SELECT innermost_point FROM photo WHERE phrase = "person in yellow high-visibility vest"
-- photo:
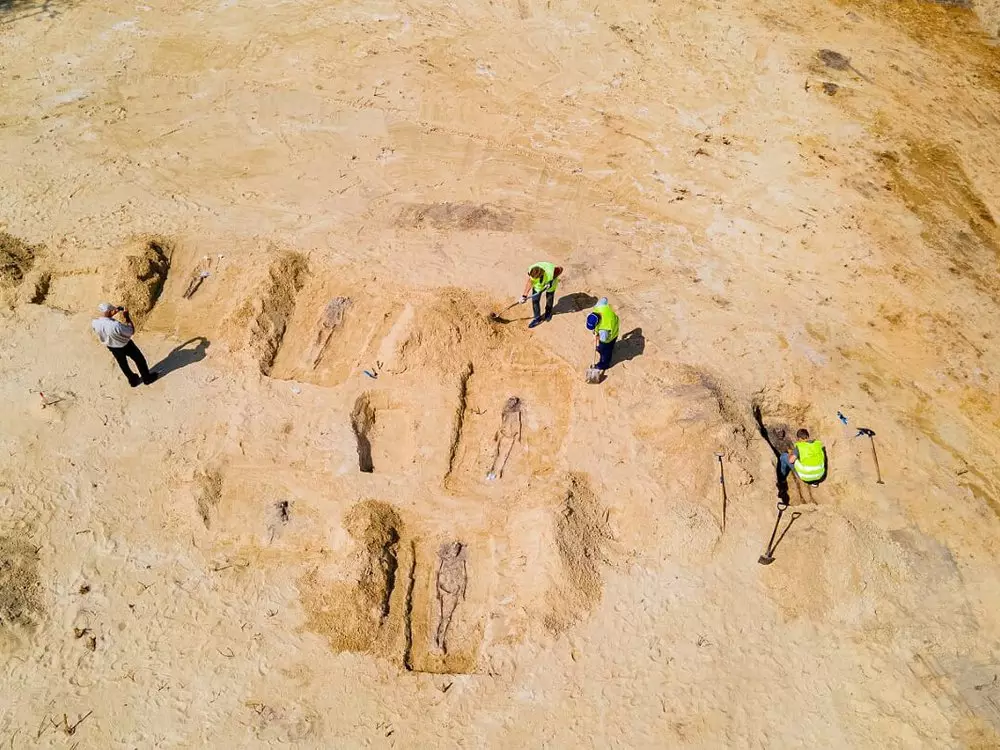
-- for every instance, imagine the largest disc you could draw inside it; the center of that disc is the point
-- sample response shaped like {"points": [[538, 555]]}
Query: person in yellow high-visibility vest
{"points": [[543, 278], [808, 458], [603, 321]]}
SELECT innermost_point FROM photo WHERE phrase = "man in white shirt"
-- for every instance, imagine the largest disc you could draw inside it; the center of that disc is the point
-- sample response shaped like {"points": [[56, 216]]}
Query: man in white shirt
{"points": [[117, 337]]}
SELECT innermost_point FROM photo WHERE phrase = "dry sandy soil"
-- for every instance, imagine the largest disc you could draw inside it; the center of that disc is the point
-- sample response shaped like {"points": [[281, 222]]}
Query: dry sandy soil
{"points": [[794, 207]]}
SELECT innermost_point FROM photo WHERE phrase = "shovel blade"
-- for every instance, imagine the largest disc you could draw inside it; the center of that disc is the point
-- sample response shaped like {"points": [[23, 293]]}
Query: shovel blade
{"points": [[765, 560], [594, 375]]}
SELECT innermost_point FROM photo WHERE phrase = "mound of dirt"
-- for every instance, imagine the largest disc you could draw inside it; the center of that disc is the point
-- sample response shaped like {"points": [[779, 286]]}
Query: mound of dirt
{"points": [[20, 585], [463, 216], [584, 541], [139, 278], [258, 325], [449, 332], [377, 527], [35, 287], [16, 259], [357, 616]]}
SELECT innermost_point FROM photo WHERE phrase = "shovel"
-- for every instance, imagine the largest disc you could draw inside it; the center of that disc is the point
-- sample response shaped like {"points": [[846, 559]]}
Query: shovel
{"points": [[768, 557], [594, 374], [499, 318]]}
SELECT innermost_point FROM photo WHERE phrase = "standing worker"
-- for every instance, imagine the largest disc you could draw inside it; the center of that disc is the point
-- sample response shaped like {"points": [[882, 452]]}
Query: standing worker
{"points": [[808, 458], [117, 337], [603, 321], [542, 277]]}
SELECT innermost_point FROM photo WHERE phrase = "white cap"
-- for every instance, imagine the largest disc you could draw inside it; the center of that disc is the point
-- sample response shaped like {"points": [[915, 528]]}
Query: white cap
{"points": [[105, 307]]}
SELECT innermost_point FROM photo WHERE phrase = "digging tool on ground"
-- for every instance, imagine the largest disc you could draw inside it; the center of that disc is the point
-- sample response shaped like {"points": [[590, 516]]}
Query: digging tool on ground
{"points": [[499, 318], [594, 374], [725, 498], [768, 557], [870, 434]]}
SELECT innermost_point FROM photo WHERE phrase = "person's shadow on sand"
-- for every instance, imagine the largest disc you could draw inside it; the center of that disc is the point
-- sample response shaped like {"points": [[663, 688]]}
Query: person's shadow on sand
{"points": [[629, 346], [182, 355], [573, 302]]}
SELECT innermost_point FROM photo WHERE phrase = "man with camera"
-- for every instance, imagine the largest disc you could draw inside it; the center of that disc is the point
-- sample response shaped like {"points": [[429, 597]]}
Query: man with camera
{"points": [[117, 336]]}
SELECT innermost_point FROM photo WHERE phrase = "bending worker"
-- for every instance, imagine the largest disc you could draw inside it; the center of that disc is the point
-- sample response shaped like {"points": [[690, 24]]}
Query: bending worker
{"points": [[603, 321], [542, 278], [808, 457]]}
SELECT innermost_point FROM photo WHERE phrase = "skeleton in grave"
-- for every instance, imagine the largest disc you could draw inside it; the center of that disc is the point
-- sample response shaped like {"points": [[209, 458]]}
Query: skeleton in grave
{"points": [[451, 581], [333, 316], [508, 434], [202, 272]]}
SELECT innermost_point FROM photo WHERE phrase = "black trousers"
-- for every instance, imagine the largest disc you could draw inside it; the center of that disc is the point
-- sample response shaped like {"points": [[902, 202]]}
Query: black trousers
{"points": [[605, 350], [536, 304], [130, 351]]}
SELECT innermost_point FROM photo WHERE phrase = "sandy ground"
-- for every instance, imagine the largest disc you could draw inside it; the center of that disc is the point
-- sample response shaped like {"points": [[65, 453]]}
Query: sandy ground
{"points": [[260, 549]]}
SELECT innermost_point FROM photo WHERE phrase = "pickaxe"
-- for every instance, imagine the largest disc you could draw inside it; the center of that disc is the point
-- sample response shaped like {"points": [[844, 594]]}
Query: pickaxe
{"points": [[871, 437]]}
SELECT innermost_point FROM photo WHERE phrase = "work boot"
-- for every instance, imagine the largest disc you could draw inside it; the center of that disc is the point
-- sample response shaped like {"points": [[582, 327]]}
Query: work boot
{"points": [[151, 378], [535, 322], [134, 380], [548, 316]]}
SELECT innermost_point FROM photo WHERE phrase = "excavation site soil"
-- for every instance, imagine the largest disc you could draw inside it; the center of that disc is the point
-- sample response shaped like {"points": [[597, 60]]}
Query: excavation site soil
{"points": [[365, 505]]}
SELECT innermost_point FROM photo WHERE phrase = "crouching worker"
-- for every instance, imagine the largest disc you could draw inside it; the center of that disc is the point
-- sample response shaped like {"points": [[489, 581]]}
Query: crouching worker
{"points": [[808, 458], [603, 321]]}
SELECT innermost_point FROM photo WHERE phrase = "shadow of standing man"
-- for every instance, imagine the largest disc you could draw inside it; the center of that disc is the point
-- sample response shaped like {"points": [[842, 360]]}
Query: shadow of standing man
{"points": [[183, 355]]}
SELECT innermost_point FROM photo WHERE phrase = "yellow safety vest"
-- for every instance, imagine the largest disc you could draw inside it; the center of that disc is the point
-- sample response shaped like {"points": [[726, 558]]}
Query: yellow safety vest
{"points": [[548, 275], [609, 321], [810, 465]]}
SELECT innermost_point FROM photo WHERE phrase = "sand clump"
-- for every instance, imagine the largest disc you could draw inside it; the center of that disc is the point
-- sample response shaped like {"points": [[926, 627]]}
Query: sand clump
{"points": [[358, 615], [451, 322], [584, 541], [20, 584], [16, 258], [376, 526], [138, 280], [463, 216], [35, 287], [258, 325]]}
